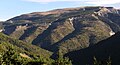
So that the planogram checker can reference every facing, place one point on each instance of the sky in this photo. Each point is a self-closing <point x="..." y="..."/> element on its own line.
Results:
<point x="12" y="8"/>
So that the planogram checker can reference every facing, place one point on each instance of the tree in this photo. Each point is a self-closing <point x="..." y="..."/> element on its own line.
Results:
<point x="61" y="60"/>
<point x="9" y="57"/>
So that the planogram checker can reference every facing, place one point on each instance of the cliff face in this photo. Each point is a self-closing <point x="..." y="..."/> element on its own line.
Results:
<point x="65" y="29"/>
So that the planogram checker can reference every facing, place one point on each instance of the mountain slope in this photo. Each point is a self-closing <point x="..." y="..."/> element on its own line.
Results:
<point x="21" y="47"/>
<point x="102" y="51"/>
<point x="66" y="29"/>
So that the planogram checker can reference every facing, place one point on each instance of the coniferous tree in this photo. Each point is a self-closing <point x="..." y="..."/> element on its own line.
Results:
<point x="61" y="60"/>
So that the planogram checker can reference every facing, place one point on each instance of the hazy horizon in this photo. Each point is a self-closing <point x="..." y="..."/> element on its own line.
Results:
<point x="14" y="8"/>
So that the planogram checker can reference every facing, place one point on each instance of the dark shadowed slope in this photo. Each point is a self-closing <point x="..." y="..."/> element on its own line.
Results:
<point x="102" y="51"/>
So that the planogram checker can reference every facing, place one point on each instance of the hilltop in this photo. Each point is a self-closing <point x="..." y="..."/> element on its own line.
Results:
<point x="66" y="29"/>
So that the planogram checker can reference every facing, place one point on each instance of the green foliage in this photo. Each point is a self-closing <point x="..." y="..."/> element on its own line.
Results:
<point x="19" y="46"/>
<point x="62" y="61"/>
<point x="11" y="57"/>
<point x="107" y="62"/>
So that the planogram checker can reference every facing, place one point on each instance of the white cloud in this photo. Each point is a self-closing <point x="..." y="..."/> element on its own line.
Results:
<point x="95" y="2"/>
<point x="103" y="2"/>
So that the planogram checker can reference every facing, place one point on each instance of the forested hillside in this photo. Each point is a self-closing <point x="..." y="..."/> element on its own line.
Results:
<point x="61" y="31"/>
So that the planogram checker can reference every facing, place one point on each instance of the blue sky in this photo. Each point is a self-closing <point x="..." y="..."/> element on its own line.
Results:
<point x="12" y="8"/>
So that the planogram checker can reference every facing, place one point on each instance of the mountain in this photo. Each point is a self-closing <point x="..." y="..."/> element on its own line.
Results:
<point x="66" y="29"/>
<point x="21" y="47"/>
<point x="16" y="52"/>
<point x="102" y="51"/>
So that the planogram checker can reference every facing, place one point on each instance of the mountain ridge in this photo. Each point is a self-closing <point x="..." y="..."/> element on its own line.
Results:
<point x="70" y="29"/>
